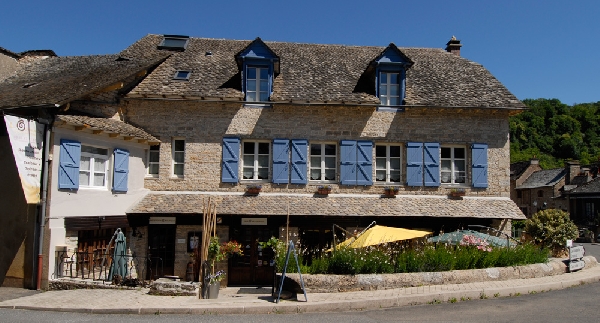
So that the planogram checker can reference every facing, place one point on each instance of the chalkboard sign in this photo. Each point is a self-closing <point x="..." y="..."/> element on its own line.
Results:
<point x="287" y="259"/>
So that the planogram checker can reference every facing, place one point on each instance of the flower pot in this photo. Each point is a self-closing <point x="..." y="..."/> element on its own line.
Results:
<point x="213" y="290"/>
<point x="323" y="191"/>
<point x="390" y="193"/>
<point x="253" y="191"/>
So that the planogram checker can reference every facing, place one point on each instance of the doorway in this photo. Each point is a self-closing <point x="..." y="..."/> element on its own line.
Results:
<point x="255" y="267"/>
<point x="161" y="251"/>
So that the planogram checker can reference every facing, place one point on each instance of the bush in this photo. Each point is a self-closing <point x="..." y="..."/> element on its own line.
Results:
<point x="551" y="229"/>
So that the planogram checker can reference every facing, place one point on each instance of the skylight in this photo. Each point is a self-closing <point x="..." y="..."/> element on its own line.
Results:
<point x="182" y="75"/>
<point x="174" y="42"/>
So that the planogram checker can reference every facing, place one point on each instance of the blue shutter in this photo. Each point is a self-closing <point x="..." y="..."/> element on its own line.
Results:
<point x="431" y="163"/>
<point x="299" y="161"/>
<point x="364" y="163"/>
<point x="121" y="170"/>
<point x="479" y="166"/>
<point x="68" y="169"/>
<point x="348" y="162"/>
<point x="281" y="150"/>
<point x="231" y="160"/>
<point x="414" y="164"/>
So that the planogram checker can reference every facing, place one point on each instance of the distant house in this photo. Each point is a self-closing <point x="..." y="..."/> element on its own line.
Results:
<point x="584" y="202"/>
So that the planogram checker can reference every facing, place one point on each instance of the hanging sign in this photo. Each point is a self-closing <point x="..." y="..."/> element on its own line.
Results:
<point x="27" y="140"/>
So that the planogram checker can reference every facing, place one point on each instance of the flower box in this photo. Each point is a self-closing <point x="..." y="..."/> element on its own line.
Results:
<point x="390" y="191"/>
<point x="457" y="193"/>
<point x="324" y="189"/>
<point x="253" y="189"/>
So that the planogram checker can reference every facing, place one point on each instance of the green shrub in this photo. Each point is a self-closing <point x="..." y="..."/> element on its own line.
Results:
<point x="551" y="229"/>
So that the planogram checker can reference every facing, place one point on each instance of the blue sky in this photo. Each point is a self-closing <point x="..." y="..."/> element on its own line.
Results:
<point x="537" y="49"/>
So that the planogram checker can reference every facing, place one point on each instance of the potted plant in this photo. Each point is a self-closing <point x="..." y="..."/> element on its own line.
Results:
<point x="457" y="193"/>
<point x="215" y="283"/>
<point x="324" y="189"/>
<point x="253" y="189"/>
<point x="390" y="191"/>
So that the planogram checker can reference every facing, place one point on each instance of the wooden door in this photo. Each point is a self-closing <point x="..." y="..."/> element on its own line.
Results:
<point x="161" y="251"/>
<point x="254" y="267"/>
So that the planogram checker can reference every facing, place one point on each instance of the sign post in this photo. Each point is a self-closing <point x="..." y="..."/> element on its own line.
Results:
<point x="287" y="258"/>
<point x="576" y="258"/>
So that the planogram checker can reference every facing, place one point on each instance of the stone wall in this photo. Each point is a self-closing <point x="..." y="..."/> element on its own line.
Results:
<point x="203" y="125"/>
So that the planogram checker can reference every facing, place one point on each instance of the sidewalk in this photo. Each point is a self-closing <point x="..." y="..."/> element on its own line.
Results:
<point x="252" y="300"/>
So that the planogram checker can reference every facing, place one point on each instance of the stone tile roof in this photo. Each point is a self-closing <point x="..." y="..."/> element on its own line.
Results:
<point x="542" y="178"/>
<point x="346" y="205"/>
<point x="57" y="80"/>
<point x="517" y="169"/>
<point x="592" y="186"/>
<point x="320" y="73"/>
<point x="106" y="125"/>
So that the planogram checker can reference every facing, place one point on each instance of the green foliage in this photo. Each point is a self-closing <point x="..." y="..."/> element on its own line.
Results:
<point x="551" y="228"/>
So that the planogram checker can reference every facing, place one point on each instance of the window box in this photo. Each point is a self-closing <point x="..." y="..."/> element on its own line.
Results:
<point x="457" y="193"/>
<point x="253" y="189"/>
<point x="390" y="191"/>
<point x="324" y="190"/>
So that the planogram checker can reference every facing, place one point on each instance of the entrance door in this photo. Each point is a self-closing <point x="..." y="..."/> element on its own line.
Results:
<point x="255" y="267"/>
<point x="161" y="250"/>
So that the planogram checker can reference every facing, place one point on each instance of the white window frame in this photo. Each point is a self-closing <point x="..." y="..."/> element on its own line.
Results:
<point x="321" y="165"/>
<point x="388" y="167"/>
<point x="387" y="96"/>
<point x="91" y="170"/>
<point x="453" y="168"/>
<point x="256" y="90"/>
<point x="150" y="162"/>
<point x="174" y="163"/>
<point x="255" y="156"/>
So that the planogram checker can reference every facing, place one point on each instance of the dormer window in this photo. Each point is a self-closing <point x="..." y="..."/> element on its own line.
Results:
<point x="259" y="66"/>
<point x="174" y="42"/>
<point x="182" y="75"/>
<point x="390" y="69"/>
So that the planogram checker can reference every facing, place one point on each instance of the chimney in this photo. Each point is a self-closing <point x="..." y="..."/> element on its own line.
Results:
<point x="453" y="46"/>
<point x="572" y="169"/>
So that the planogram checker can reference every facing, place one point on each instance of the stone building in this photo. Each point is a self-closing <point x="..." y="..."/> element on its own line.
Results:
<point x="293" y="118"/>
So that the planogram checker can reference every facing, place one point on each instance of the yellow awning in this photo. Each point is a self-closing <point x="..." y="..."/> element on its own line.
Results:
<point x="381" y="234"/>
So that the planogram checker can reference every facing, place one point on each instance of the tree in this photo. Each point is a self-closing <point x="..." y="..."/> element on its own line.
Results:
<point x="551" y="229"/>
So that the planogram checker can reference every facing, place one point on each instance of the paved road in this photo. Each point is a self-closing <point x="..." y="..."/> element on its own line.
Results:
<point x="573" y="304"/>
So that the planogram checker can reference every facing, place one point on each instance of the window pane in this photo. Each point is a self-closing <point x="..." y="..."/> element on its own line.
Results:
<point x="460" y="177"/>
<point x="383" y="90"/>
<point x="263" y="148"/>
<point x="315" y="162"/>
<point x="445" y="178"/>
<point x="395" y="163"/>
<point x="329" y="162"/>
<point x="264" y="86"/>
<point x="84" y="178"/>
<point x="251" y="96"/>
<point x="251" y="73"/>
<point x="248" y="160"/>
<point x="264" y="96"/>
<point x="394" y="151"/>
<point x="446" y="165"/>
<point x="178" y="169"/>
<point x="315" y="174"/>
<point x="247" y="173"/>
<point x="179" y="157"/>
<point x="315" y="149"/>
<point x="393" y="78"/>
<point x="99" y="165"/>
<point x="264" y="73"/>
<point x="445" y="152"/>
<point x="330" y="174"/>
<point x="460" y="165"/>
<point x="154" y="157"/>
<point x="263" y="161"/>
<point x="330" y="150"/>
<point x="380" y="175"/>
<point x="380" y="163"/>
<point x="395" y="176"/>
<point x="380" y="151"/>
<point x="98" y="179"/>
<point x="179" y="145"/>
<point x="263" y="173"/>
<point x="393" y="89"/>
<point x="248" y="148"/>
<point x="393" y="101"/>
<point x="251" y="85"/>
<point x="85" y="163"/>
<point x="383" y="78"/>
<point x="153" y="169"/>
<point x="459" y="153"/>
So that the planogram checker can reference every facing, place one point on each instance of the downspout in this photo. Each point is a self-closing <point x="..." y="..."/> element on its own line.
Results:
<point x="43" y="203"/>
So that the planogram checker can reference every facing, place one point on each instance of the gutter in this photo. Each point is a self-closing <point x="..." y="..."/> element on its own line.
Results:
<point x="43" y="201"/>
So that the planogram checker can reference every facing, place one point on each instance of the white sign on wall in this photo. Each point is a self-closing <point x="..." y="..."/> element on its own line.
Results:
<point x="254" y="221"/>
<point x="162" y="220"/>
<point x="27" y="141"/>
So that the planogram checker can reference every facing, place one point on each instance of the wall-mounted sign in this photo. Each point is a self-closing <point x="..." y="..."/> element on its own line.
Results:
<point x="254" y="221"/>
<point x="162" y="220"/>
<point x="26" y="139"/>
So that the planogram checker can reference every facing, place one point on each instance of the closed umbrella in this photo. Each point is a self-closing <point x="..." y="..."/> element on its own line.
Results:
<point x="119" y="264"/>
<point x="381" y="234"/>
<point x="456" y="237"/>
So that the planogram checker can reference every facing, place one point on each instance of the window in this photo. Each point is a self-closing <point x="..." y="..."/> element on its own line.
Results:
<point x="153" y="160"/>
<point x="387" y="163"/>
<point x="255" y="160"/>
<point x="389" y="88"/>
<point x="93" y="166"/>
<point x="182" y="75"/>
<point x="453" y="162"/>
<point x="178" y="149"/>
<point x="174" y="42"/>
<point x="323" y="161"/>
<point x="257" y="84"/>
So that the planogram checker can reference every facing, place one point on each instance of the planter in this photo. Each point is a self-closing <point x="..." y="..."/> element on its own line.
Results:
<point x="213" y="290"/>
<point x="323" y="191"/>
<point x="253" y="191"/>
<point x="390" y="193"/>
<point x="456" y="193"/>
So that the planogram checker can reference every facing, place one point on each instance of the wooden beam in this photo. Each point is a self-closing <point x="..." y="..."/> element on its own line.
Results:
<point x="142" y="141"/>
<point x="97" y="132"/>
<point x="113" y="135"/>
<point x="80" y="128"/>
<point x="113" y="87"/>
<point x="128" y="138"/>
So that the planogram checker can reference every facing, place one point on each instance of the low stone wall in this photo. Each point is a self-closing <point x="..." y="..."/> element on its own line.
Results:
<point x="349" y="283"/>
